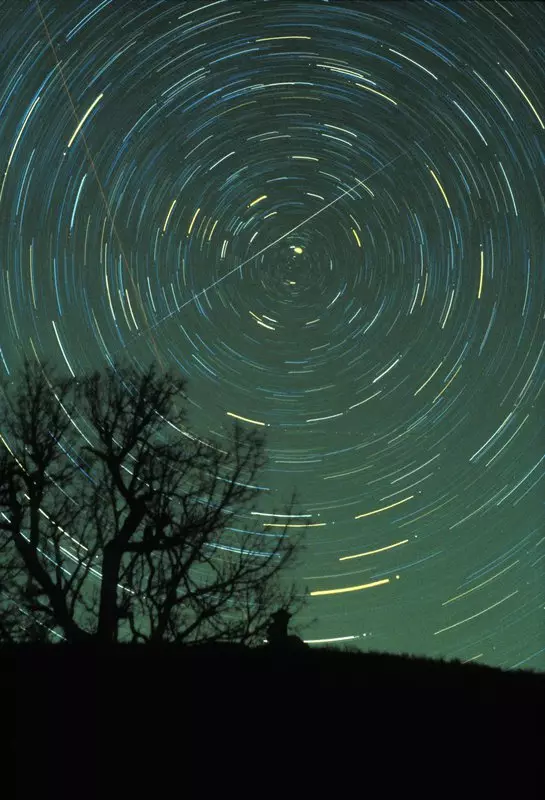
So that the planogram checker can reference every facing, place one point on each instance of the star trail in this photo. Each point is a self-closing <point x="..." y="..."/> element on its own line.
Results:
<point x="329" y="217"/>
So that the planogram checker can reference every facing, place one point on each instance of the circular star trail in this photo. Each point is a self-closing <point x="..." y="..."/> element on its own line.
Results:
<point x="329" y="217"/>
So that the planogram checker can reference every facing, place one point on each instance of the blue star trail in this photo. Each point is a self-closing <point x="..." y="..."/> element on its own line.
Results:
<point x="329" y="217"/>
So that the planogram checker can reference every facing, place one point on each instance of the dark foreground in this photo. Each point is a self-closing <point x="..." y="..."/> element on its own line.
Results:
<point x="228" y="722"/>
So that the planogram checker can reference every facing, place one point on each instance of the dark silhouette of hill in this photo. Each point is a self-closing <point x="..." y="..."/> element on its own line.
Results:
<point x="279" y="718"/>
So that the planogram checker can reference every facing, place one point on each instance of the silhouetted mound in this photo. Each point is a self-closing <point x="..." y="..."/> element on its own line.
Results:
<point x="353" y="714"/>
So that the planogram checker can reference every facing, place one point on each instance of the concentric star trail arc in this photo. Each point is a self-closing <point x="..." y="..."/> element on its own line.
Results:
<point x="165" y="185"/>
<point x="276" y="241"/>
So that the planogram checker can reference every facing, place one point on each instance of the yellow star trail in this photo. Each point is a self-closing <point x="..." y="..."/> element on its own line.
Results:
<point x="384" y="508"/>
<point x="329" y="223"/>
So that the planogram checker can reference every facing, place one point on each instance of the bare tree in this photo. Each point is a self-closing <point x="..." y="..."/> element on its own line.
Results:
<point x="118" y="525"/>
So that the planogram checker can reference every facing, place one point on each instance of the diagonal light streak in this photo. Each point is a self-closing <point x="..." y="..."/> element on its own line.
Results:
<point x="193" y="297"/>
<point x="274" y="242"/>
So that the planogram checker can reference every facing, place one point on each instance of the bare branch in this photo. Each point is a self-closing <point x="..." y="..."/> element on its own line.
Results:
<point x="124" y="526"/>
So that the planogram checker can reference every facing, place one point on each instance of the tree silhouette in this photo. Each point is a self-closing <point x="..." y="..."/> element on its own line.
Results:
<point x="119" y="525"/>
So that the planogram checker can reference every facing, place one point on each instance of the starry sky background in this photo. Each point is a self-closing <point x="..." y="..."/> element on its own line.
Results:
<point x="328" y="216"/>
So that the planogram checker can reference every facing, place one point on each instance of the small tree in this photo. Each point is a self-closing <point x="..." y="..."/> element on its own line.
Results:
<point x="118" y="525"/>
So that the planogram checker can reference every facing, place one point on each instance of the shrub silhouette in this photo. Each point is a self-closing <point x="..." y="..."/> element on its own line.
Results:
<point x="277" y="632"/>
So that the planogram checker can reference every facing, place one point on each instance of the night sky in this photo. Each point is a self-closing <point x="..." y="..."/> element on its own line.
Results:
<point x="329" y="217"/>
